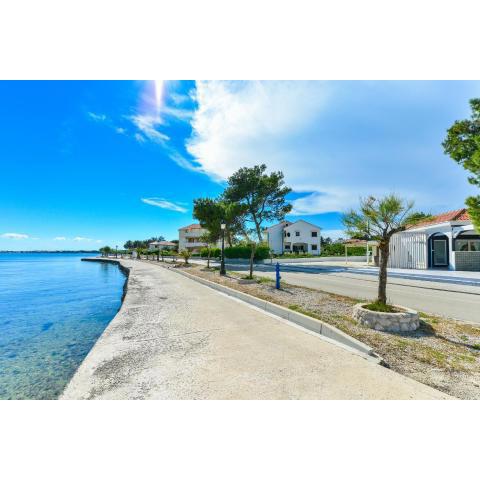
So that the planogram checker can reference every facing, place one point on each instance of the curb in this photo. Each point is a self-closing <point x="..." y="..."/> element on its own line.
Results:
<point x="330" y="333"/>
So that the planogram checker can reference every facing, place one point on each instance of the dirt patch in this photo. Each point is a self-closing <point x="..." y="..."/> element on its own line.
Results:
<point x="442" y="353"/>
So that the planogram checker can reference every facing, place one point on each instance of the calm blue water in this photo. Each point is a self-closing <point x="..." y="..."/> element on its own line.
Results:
<point x="53" y="307"/>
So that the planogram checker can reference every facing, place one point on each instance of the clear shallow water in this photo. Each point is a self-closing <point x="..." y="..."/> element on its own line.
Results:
<point x="53" y="307"/>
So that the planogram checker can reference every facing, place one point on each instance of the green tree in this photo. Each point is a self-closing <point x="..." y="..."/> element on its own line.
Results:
<point x="210" y="240"/>
<point x="105" y="251"/>
<point x="211" y="212"/>
<point x="462" y="144"/>
<point x="417" y="217"/>
<point x="260" y="197"/>
<point x="379" y="219"/>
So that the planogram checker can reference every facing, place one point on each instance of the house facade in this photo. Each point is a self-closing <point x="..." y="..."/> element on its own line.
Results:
<point x="189" y="238"/>
<point x="447" y="241"/>
<point x="294" y="237"/>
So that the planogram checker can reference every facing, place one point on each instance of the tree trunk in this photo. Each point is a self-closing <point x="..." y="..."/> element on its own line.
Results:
<point x="208" y="258"/>
<point x="252" y="255"/>
<point x="382" y="274"/>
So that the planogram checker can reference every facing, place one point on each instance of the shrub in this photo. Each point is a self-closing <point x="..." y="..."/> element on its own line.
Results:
<point x="186" y="255"/>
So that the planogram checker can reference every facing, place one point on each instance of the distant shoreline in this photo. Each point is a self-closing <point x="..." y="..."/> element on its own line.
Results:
<point x="49" y="251"/>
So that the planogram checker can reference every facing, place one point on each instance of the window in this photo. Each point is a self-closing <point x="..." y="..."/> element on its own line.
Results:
<point x="314" y="247"/>
<point x="297" y="234"/>
<point x="467" y="245"/>
<point x="287" y="246"/>
<point x="314" y="234"/>
<point x="288" y="234"/>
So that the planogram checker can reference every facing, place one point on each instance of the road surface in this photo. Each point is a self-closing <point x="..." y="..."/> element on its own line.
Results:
<point x="177" y="339"/>
<point x="457" y="300"/>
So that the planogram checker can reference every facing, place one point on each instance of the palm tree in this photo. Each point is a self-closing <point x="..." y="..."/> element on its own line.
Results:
<point x="379" y="219"/>
<point x="186" y="254"/>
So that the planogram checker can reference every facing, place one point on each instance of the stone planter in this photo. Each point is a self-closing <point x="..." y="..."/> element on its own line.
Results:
<point x="405" y="321"/>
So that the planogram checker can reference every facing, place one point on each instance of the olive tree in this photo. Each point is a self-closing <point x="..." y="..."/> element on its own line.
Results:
<point x="379" y="219"/>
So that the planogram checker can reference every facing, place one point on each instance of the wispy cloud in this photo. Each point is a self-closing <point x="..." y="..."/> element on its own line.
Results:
<point x="15" y="236"/>
<point x="165" y="204"/>
<point x="82" y="239"/>
<point x="148" y="125"/>
<point x="97" y="117"/>
<point x="60" y="238"/>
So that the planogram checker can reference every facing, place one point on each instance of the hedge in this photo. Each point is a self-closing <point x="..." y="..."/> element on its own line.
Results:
<point x="337" y="249"/>
<point x="214" y="252"/>
<point x="243" y="251"/>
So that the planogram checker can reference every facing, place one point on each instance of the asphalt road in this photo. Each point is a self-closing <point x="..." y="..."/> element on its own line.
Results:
<point x="450" y="296"/>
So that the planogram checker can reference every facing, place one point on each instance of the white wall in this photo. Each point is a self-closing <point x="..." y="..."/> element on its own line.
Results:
<point x="305" y="230"/>
<point x="275" y="238"/>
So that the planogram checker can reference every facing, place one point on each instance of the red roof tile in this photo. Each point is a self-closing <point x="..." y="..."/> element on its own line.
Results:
<point x="193" y="225"/>
<point x="454" y="215"/>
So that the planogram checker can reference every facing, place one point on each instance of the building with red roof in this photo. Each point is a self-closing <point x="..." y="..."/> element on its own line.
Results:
<point x="447" y="240"/>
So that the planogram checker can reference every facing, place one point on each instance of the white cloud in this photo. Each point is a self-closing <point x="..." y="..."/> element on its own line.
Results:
<point x="82" y="239"/>
<point x="98" y="117"/>
<point x="335" y="142"/>
<point x="165" y="204"/>
<point x="333" y="234"/>
<point x="120" y="130"/>
<point x="15" y="236"/>
<point x="60" y="238"/>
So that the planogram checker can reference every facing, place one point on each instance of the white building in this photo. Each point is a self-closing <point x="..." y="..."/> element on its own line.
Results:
<point x="294" y="237"/>
<point x="163" y="245"/>
<point x="189" y="238"/>
<point x="447" y="241"/>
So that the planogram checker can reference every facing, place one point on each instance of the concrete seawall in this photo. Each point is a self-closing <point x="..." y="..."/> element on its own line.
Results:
<point x="174" y="338"/>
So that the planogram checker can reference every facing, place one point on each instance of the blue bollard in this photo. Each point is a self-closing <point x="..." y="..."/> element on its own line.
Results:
<point x="277" y="276"/>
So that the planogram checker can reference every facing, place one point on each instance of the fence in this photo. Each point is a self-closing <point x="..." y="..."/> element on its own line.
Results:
<point x="408" y="250"/>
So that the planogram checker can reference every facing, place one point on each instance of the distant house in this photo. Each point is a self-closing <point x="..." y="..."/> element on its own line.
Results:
<point x="163" y="245"/>
<point x="189" y="238"/>
<point x="294" y="237"/>
<point x="447" y="241"/>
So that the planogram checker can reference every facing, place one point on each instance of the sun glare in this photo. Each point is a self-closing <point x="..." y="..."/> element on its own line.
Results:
<point x="158" y="93"/>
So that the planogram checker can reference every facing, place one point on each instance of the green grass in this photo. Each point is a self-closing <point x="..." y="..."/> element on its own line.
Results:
<point x="380" y="307"/>
<point x="476" y="346"/>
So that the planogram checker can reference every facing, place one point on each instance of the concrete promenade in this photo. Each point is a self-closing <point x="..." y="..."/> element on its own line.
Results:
<point x="177" y="339"/>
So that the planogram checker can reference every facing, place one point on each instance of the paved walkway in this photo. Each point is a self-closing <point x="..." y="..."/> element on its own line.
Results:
<point x="177" y="339"/>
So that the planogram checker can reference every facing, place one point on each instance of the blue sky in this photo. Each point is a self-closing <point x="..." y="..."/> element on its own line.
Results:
<point x="85" y="164"/>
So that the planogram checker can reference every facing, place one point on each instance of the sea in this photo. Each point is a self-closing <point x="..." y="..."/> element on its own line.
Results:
<point x="53" y="308"/>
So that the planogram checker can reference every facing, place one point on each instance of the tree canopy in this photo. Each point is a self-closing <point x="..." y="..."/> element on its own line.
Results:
<point x="131" y="244"/>
<point x="211" y="212"/>
<point x="462" y="144"/>
<point x="261" y="195"/>
<point x="378" y="219"/>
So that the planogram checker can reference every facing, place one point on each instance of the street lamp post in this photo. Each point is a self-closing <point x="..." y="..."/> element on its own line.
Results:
<point x="116" y="251"/>
<point x="222" y="263"/>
